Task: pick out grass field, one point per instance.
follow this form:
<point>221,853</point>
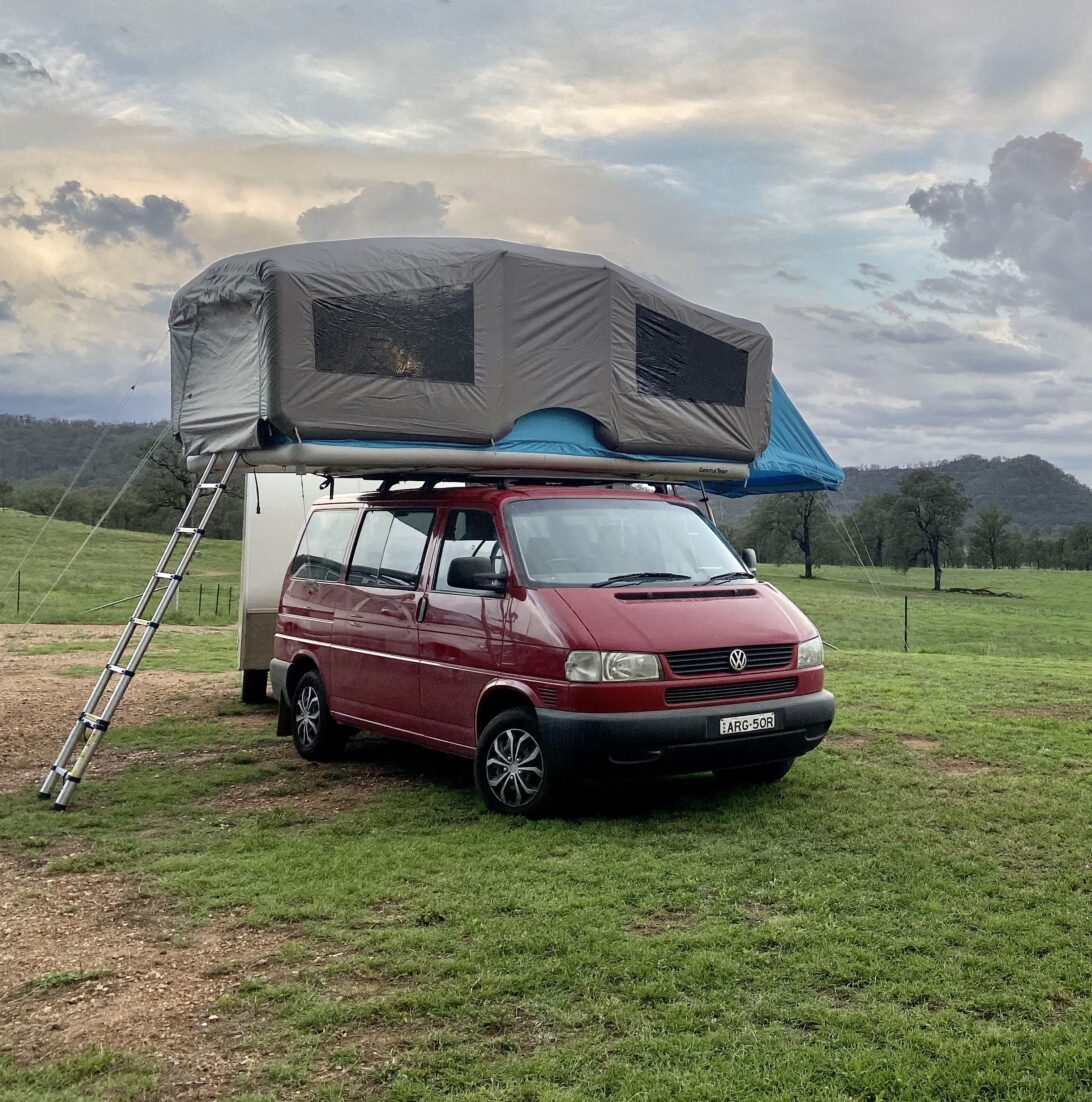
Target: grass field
<point>906,916</point>
<point>114,565</point>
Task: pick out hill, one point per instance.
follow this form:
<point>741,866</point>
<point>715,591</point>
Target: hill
<point>1035,493</point>
<point>37,449</point>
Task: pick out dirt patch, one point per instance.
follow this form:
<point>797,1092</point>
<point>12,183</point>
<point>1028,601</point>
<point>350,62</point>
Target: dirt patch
<point>663,922</point>
<point>306,790</point>
<point>953,766</point>
<point>919,745</point>
<point>757,913</point>
<point>39,703</point>
<point>88,960</point>
<point>862,738</point>
<point>958,767</point>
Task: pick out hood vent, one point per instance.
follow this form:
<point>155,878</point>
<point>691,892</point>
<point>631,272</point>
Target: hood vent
<point>685,595</point>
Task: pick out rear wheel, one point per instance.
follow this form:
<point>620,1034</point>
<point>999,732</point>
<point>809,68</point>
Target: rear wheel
<point>770,773</point>
<point>315,734</point>
<point>514,769</point>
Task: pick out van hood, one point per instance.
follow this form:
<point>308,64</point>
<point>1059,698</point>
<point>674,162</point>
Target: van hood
<point>671,618</point>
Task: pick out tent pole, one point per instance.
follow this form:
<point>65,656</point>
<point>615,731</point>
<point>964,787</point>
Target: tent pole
<point>708,507</point>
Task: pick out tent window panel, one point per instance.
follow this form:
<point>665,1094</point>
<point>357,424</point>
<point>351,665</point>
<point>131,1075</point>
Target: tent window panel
<point>419,334</point>
<point>677,361</point>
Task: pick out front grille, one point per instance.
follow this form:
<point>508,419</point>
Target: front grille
<point>696,663</point>
<point>738,690</point>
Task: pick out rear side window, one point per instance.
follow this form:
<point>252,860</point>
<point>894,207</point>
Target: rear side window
<point>677,361</point>
<point>469,532</point>
<point>390,548</point>
<point>322,548</point>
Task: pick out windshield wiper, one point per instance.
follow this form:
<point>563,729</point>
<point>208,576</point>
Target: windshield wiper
<point>641,576</point>
<point>728,576</point>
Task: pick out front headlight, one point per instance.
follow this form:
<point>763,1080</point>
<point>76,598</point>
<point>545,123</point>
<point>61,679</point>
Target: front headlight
<point>624,666</point>
<point>809,653</point>
<point>593,665</point>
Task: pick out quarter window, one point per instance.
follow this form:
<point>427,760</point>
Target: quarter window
<point>390,548</point>
<point>321,552</point>
<point>469,532</point>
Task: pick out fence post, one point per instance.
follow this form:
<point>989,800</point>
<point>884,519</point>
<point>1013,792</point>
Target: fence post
<point>18,591</point>
<point>905,622</point>
<point>200,597</point>
<point>230,591</point>
<point>216,610</point>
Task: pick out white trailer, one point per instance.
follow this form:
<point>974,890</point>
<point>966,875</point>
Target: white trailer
<point>275,508</point>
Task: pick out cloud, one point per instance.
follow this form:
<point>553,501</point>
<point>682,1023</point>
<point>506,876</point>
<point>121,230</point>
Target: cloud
<point>870,271</point>
<point>791,275</point>
<point>21,67</point>
<point>100,219</point>
<point>388,208</point>
<point>7,301</point>
<point>1034,212</point>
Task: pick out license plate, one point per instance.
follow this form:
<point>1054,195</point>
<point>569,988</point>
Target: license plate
<point>742,725</point>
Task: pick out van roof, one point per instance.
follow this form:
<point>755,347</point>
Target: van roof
<point>490,494</point>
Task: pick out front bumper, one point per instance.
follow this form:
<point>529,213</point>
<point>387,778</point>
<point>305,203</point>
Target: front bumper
<point>686,740</point>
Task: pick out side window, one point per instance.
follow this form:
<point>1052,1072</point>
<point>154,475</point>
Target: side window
<point>390,548</point>
<point>469,532</point>
<point>323,544</point>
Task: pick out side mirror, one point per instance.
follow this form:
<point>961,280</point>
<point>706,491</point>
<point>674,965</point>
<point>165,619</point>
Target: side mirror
<point>471,572</point>
<point>750,559</point>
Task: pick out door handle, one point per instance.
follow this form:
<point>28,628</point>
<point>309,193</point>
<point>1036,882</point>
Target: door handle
<point>422,609</point>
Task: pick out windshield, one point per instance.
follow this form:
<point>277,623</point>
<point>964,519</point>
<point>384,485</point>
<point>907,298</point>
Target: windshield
<point>597,541</point>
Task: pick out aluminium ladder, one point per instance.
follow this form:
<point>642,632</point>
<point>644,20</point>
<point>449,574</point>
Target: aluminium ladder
<point>92,722</point>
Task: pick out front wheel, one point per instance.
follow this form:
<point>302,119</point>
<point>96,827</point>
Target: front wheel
<point>514,770</point>
<point>770,773</point>
<point>315,734</point>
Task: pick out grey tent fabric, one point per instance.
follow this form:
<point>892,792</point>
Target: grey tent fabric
<point>451,340</point>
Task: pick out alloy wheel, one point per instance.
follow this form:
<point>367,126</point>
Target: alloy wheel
<point>514,767</point>
<point>308,711</point>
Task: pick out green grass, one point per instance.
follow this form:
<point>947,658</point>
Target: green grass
<point>114,565</point>
<point>904,917</point>
<point>1049,615</point>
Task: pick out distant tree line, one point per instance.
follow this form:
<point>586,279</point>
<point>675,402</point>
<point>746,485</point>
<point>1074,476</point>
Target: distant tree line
<point>153,503</point>
<point>925,523</point>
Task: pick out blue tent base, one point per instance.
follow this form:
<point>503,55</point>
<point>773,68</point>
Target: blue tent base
<point>793,461</point>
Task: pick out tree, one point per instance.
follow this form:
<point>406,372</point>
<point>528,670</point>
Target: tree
<point>795,519</point>
<point>929,510</point>
<point>988,536</point>
<point>873,520</point>
<point>6,490</point>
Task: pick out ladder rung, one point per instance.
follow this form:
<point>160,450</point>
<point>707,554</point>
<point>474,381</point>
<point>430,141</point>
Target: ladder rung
<point>120,669</point>
<point>153,624</point>
<point>96,723</point>
<point>166,575</point>
<point>208,487</point>
<point>190,531</point>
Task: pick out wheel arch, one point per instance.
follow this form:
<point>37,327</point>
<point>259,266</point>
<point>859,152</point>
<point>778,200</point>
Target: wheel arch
<point>499,697</point>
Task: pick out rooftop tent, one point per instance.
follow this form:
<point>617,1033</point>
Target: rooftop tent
<point>794,461</point>
<point>451,341</point>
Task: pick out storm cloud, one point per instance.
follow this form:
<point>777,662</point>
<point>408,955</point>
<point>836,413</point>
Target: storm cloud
<point>100,219</point>
<point>386,208</point>
<point>1034,212</point>
<point>19,66</point>
<point>7,301</point>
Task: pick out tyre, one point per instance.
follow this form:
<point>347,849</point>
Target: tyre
<point>770,773</point>
<point>253,687</point>
<point>315,734</point>
<point>516,772</point>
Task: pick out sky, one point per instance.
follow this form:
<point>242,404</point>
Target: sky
<point>898,192</point>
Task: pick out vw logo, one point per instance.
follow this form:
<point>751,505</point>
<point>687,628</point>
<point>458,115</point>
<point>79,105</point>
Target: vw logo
<point>738,659</point>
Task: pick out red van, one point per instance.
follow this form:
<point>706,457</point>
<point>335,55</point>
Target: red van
<point>548,632</point>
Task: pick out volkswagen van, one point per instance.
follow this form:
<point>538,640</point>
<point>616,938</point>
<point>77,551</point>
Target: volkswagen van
<point>551,633</point>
